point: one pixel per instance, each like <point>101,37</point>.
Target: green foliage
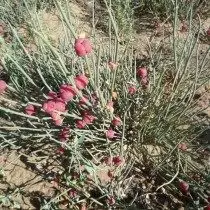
<point>123,15</point>
<point>16,13</point>
<point>163,9</point>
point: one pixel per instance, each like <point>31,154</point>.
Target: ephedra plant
<point>86,105</point>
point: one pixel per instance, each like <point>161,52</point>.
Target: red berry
<point>72,193</point>
<point>142,72</point>
<point>117,160</point>
<point>60,105</point>
<point>49,106</point>
<point>60,150</point>
<point>58,122</point>
<point>116,121</point>
<point>67,92</point>
<point>88,118</point>
<point>110,134</point>
<point>81,81</point>
<point>82,47</point>
<point>30,109</point>
<point>184,186</point>
<point>132,90</point>
<point>3,86</point>
<point>182,146</point>
<point>55,115</point>
<point>80,124</point>
<point>64,134</point>
<point>111,201</point>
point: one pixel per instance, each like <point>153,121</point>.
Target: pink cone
<point>182,146</point>
<point>116,121</point>
<point>117,161</point>
<point>64,134</point>
<point>88,118</point>
<point>80,124</point>
<point>111,201</point>
<point>67,92</point>
<point>184,186</point>
<point>72,193</point>
<point>82,47</point>
<point>30,109</point>
<point>110,134</point>
<point>132,90</point>
<point>55,115</point>
<point>59,121</point>
<point>142,72</point>
<point>60,150</point>
<point>3,86</point>
<point>49,106</point>
<point>81,81</point>
<point>60,105</point>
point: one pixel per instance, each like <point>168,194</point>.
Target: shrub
<point>94,107</point>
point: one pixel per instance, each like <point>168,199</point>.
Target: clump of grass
<point>123,14</point>
<point>143,121</point>
<point>163,9</point>
<point>15,12</point>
